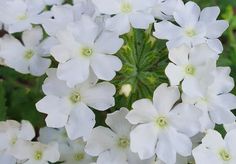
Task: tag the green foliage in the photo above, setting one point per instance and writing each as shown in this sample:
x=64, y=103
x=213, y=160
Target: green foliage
x=144, y=59
x=3, y=108
x=18, y=94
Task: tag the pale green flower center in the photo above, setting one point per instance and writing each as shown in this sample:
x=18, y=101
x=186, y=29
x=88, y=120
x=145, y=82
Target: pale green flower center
x=225, y=155
x=190, y=32
x=79, y=156
x=22, y=17
x=75, y=97
x=123, y=142
x=190, y=70
x=161, y=122
x=28, y=54
x=38, y=155
x=13, y=141
x=126, y=7
x=87, y=51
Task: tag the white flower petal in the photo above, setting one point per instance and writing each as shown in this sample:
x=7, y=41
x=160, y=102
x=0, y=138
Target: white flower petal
x=108, y=43
x=118, y=23
x=117, y=122
x=102, y=5
x=56, y=109
x=230, y=141
x=51, y=153
x=216, y=29
x=39, y=65
x=100, y=96
x=222, y=116
x=165, y=97
x=174, y=73
x=104, y=66
x=143, y=139
x=180, y=55
x=53, y=86
x=100, y=140
x=74, y=71
x=164, y=150
x=32, y=38
x=183, y=113
x=143, y=112
x=26, y=130
x=215, y=44
x=181, y=143
x=209, y=14
x=212, y=137
x=223, y=82
x=81, y=122
x=166, y=30
x=203, y=155
x=141, y=20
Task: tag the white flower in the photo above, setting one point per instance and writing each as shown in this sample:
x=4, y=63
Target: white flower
x=75, y=153
x=126, y=13
x=113, y=145
x=68, y=107
x=216, y=150
x=58, y=18
x=81, y=48
x=12, y=132
x=195, y=27
x=162, y=129
x=71, y=152
x=193, y=68
x=37, y=153
x=28, y=57
x=164, y=9
x=19, y=15
x=215, y=101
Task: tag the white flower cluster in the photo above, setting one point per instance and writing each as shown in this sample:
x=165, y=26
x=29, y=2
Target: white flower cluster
x=83, y=38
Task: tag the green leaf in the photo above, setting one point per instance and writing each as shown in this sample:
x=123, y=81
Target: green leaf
x=3, y=108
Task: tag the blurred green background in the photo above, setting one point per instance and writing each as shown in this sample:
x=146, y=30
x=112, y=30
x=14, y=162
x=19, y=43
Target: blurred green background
x=19, y=93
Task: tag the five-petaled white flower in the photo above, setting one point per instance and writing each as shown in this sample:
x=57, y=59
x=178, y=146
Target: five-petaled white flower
x=113, y=145
x=68, y=107
x=215, y=101
x=216, y=150
x=193, y=68
x=37, y=153
x=161, y=127
x=135, y=13
x=195, y=27
x=19, y=15
x=29, y=57
x=82, y=47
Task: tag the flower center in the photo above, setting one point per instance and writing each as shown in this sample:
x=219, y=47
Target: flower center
x=79, y=156
x=225, y=155
x=13, y=141
x=123, y=142
x=190, y=70
x=126, y=7
x=161, y=122
x=190, y=32
x=22, y=17
x=38, y=155
x=28, y=54
x=75, y=97
x=87, y=51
